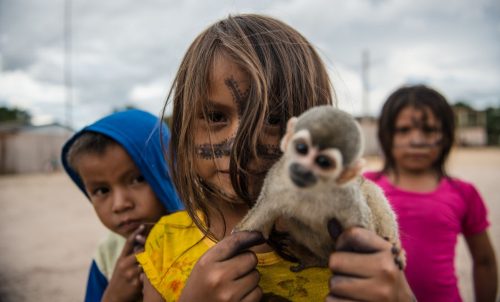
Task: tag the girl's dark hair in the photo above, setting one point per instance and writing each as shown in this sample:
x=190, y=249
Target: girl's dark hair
x=420, y=97
x=286, y=78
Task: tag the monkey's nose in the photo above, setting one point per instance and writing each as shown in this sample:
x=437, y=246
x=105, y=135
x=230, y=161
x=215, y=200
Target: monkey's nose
x=301, y=176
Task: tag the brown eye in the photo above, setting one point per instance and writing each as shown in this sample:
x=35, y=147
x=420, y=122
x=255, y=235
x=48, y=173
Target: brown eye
x=301, y=148
x=430, y=129
x=402, y=130
x=273, y=120
x=324, y=162
x=216, y=117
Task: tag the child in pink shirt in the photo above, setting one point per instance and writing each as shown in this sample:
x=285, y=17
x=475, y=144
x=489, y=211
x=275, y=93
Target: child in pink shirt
x=416, y=133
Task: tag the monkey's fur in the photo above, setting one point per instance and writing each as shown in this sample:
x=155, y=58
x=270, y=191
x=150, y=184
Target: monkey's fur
x=306, y=193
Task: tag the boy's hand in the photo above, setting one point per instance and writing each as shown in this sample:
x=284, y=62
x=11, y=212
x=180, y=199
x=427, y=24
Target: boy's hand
x=226, y=272
x=364, y=269
x=125, y=284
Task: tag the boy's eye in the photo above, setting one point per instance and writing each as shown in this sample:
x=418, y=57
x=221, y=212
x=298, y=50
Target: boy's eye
x=138, y=179
x=100, y=191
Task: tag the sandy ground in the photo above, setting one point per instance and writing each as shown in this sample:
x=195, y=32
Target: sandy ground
x=48, y=230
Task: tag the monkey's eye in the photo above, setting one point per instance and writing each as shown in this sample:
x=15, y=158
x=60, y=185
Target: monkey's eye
x=324, y=162
x=301, y=148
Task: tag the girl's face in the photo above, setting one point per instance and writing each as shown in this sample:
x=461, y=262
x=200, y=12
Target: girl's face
x=121, y=197
x=215, y=133
x=417, y=141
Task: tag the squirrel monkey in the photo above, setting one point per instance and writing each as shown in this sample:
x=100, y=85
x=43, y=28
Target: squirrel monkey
x=316, y=180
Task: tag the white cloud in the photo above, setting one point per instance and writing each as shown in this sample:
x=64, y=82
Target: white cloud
x=22, y=90
x=121, y=49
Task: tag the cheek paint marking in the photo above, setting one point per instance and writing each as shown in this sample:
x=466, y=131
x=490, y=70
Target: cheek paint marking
x=269, y=151
x=210, y=151
x=412, y=144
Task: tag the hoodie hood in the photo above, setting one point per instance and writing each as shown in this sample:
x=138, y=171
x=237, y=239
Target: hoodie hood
x=138, y=132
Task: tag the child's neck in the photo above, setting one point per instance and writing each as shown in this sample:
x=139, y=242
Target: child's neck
x=233, y=214
x=415, y=181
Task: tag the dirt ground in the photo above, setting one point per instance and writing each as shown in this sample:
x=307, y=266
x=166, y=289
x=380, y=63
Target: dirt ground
x=48, y=230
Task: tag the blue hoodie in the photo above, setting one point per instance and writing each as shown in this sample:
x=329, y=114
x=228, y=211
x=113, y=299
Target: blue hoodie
x=138, y=132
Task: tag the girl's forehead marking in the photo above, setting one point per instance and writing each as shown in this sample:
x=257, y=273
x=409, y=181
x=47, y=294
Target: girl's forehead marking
x=239, y=96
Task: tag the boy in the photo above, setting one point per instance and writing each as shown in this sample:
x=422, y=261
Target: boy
x=118, y=163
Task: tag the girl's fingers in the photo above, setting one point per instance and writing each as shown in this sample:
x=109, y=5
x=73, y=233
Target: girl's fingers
x=240, y=265
x=360, y=289
x=254, y=295
x=358, y=265
x=247, y=284
x=360, y=240
x=233, y=245
x=331, y=298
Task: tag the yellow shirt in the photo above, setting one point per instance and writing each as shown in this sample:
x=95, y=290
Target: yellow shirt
x=175, y=244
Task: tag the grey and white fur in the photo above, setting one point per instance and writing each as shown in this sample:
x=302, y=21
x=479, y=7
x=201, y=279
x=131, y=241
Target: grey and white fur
x=316, y=180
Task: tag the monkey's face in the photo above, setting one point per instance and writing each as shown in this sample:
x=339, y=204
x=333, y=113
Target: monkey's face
x=310, y=166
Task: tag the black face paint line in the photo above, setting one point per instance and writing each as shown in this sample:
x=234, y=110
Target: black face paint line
x=238, y=96
x=211, y=151
x=421, y=144
x=270, y=152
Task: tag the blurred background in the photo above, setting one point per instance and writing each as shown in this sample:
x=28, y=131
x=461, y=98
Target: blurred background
x=66, y=63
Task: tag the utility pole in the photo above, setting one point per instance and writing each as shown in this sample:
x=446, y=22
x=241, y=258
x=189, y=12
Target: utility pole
x=365, y=67
x=67, y=64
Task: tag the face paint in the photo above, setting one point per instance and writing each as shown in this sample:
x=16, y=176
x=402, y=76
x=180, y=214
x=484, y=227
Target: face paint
x=419, y=135
x=211, y=151
x=269, y=152
x=238, y=96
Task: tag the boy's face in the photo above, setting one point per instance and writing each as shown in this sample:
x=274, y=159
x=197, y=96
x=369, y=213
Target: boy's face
x=215, y=134
x=417, y=141
x=119, y=193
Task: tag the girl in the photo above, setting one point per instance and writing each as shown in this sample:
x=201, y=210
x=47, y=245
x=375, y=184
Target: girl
x=416, y=132
x=238, y=84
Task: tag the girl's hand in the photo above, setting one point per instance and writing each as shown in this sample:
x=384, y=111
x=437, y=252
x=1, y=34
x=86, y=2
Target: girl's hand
x=226, y=272
x=364, y=268
x=125, y=284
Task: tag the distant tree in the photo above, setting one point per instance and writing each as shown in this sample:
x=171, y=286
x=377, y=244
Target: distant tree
x=126, y=107
x=493, y=126
x=14, y=115
x=462, y=104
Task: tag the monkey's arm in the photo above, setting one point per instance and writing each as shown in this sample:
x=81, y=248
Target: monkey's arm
x=384, y=218
x=262, y=216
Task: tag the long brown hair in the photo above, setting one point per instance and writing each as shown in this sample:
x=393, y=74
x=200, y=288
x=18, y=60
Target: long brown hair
x=286, y=78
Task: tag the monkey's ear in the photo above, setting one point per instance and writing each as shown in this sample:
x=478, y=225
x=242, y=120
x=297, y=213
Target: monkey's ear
x=351, y=172
x=290, y=129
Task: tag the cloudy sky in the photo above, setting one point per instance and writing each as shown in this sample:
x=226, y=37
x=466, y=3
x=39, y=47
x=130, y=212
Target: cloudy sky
x=125, y=52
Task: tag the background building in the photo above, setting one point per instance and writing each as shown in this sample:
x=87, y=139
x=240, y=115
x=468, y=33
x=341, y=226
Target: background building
x=31, y=149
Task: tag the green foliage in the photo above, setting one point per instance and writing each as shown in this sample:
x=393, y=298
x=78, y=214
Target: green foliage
x=14, y=115
x=126, y=107
x=493, y=126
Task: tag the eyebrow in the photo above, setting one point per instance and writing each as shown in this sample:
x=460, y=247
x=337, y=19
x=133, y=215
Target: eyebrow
x=217, y=105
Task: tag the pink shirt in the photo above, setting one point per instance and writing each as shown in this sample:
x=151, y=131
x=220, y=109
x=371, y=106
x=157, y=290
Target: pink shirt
x=429, y=226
